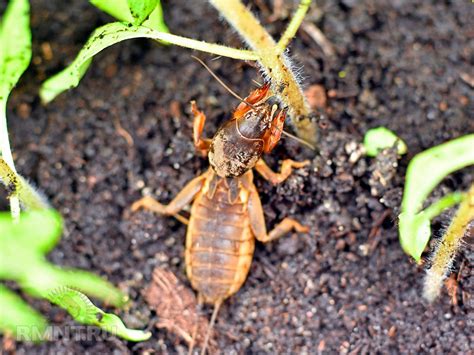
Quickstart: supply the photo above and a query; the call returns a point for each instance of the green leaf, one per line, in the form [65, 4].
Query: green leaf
[102, 38]
[85, 312]
[141, 9]
[92, 285]
[117, 8]
[121, 11]
[66, 79]
[420, 224]
[113, 324]
[22, 259]
[156, 22]
[15, 55]
[38, 230]
[116, 32]
[18, 319]
[18, 186]
[377, 139]
[71, 76]
[15, 45]
[424, 173]
[428, 168]
[50, 277]
[22, 249]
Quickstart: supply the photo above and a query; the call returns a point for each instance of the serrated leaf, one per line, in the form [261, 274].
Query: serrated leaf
[91, 284]
[425, 171]
[80, 307]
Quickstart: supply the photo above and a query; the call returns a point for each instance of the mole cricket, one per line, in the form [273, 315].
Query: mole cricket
[227, 215]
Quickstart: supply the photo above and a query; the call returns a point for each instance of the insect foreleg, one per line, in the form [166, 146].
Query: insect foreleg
[286, 170]
[201, 144]
[184, 197]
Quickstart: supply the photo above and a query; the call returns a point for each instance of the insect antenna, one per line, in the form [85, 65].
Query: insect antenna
[248, 103]
[217, 305]
[299, 140]
[222, 83]
[257, 83]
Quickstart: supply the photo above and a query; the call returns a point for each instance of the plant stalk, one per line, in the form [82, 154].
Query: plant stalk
[20, 189]
[6, 154]
[202, 46]
[274, 63]
[446, 250]
[293, 26]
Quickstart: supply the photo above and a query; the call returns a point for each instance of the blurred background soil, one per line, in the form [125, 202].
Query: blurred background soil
[126, 130]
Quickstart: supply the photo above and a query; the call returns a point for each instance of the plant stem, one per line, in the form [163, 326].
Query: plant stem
[20, 189]
[202, 46]
[293, 26]
[6, 154]
[446, 250]
[443, 203]
[274, 63]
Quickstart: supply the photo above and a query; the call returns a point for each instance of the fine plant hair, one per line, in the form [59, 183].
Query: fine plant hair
[448, 246]
[30, 197]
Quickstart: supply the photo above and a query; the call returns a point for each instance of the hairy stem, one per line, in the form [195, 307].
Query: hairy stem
[293, 26]
[446, 250]
[20, 189]
[6, 154]
[274, 63]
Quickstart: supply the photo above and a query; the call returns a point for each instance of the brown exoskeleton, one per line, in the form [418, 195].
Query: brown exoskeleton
[227, 215]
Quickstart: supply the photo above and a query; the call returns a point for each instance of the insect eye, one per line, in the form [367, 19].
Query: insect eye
[272, 101]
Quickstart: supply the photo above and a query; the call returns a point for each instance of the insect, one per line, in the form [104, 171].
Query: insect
[227, 215]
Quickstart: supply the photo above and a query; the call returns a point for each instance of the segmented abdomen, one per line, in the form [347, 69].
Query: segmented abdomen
[219, 245]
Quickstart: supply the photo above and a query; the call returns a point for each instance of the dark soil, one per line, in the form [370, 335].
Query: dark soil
[344, 287]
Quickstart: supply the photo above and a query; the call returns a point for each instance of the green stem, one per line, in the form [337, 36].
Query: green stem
[293, 26]
[212, 48]
[439, 206]
[450, 243]
[275, 64]
[6, 154]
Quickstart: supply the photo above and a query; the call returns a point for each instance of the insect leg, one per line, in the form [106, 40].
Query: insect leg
[286, 170]
[184, 197]
[201, 144]
[257, 222]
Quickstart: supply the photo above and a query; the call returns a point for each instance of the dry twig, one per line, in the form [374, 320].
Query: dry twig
[176, 306]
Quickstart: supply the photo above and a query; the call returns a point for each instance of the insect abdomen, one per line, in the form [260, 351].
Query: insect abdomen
[219, 246]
